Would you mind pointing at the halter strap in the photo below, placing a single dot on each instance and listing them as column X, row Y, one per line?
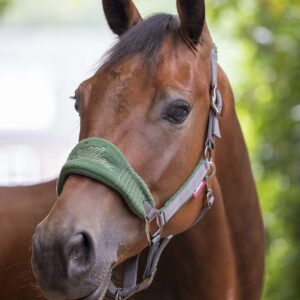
column 197, row 181
column 180, row 198
column 213, row 129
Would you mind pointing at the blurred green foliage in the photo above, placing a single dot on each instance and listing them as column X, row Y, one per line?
column 267, row 36
column 3, row 5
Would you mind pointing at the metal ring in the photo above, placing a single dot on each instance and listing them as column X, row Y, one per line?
column 211, row 169
column 208, row 153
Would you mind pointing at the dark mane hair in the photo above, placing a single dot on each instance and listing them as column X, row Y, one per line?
column 145, row 38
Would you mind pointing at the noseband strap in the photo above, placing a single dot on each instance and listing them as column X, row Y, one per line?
column 101, row 160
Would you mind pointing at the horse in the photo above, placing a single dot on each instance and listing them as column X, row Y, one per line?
column 155, row 103
column 21, row 209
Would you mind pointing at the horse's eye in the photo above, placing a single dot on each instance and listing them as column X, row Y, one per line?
column 177, row 112
column 76, row 105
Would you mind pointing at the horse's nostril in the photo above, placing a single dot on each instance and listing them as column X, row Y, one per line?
column 79, row 250
column 79, row 254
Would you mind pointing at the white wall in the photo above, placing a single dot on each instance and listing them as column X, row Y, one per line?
column 39, row 70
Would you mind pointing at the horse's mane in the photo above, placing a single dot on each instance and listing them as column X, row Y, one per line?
column 145, row 38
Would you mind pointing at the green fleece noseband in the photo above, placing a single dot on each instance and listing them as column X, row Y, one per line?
column 101, row 160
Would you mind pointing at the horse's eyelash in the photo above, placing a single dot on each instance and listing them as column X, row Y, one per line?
column 73, row 97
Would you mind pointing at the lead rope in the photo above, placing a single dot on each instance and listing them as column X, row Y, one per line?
column 206, row 171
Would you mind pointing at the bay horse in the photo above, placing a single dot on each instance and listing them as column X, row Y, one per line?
column 21, row 209
column 152, row 100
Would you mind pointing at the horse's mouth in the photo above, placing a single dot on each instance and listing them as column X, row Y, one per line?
column 97, row 294
column 100, row 292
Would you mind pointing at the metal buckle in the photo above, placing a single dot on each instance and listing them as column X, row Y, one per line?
column 156, row 216
column 214, row 100
column 210, row 199
column 118, row 296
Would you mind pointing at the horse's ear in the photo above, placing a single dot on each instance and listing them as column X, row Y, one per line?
column 192, row 17
column 121, row 15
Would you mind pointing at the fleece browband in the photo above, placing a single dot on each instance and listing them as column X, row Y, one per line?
column 101, row 160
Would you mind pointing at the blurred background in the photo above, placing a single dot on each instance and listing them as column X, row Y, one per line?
column 48, row 47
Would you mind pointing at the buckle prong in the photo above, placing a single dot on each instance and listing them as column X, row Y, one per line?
column 157, row 219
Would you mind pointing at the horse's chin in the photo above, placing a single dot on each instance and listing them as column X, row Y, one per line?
column 100, row 292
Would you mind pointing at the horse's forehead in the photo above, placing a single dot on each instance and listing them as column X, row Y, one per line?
column 117, row 79
column 169, row 70
column 174, row 66
column 128, row 68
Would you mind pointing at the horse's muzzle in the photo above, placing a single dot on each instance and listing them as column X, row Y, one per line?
column 64, row 264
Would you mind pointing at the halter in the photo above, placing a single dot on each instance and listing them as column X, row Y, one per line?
column 101, row 160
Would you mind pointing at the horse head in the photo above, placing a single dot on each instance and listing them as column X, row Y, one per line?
column 151, row 99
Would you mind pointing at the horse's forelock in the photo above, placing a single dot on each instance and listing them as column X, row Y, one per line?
column 146, row 39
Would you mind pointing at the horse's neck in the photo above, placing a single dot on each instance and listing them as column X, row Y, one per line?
column 240, row 200
column 221, row 257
